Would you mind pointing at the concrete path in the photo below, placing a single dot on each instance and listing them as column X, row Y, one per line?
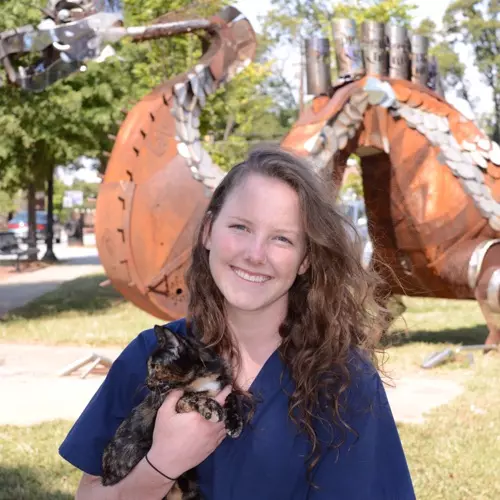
column 32, row 391
column 21, row 288
column 412, row 397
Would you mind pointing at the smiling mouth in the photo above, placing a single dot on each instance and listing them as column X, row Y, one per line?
column 253, row 278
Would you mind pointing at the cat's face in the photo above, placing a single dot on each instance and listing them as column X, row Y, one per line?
column 178, row 360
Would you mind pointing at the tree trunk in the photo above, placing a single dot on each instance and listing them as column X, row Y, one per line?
column 32, row 255
column 49, row 254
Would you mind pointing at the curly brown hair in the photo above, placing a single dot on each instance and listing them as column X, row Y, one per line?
column 332, row 307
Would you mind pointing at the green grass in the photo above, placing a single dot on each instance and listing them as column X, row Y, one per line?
column 455, row 455
column 30, row 467
column 79, row 312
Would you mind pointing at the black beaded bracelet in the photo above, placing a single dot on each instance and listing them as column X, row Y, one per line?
column 159, row 471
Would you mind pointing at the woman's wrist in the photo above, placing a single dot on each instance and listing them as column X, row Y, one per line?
column 158, row 470
column 164, row 465
column 145, row 483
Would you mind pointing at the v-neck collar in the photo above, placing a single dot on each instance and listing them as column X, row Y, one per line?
column 272, row 378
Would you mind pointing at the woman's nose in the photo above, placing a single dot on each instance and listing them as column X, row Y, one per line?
column 256, row 250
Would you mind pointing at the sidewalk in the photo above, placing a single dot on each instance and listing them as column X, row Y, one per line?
column 20, row 288
column 33, row 392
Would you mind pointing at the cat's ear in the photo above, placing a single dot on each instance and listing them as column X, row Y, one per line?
column 167, row 339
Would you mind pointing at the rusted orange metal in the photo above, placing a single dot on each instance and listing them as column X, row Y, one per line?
column 430, row 179
column 159, row 179
column 430, row 186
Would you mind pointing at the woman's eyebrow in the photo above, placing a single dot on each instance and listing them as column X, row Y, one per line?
column 283, row 230
column 241, row 219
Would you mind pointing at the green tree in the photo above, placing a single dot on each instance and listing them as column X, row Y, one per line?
column 70, row 119
column 76, row 116
column 240, row 115
column 475, row 25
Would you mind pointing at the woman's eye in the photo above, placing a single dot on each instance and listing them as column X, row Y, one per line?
column 238, row 227
column 283, row 239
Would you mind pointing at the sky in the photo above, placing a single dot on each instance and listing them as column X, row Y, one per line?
column 433, row 9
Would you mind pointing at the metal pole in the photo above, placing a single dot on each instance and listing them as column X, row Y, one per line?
column 347, row 49
column 399, row 52
column 49, row 238
column 419, row 61
column 375, row 51
column 317, row 54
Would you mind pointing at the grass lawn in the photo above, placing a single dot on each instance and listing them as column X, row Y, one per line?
column 30, row 468
column 455, row 455
column 79, row 312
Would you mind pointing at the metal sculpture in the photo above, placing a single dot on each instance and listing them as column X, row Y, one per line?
column 70, row 33
column 430, row 176
column 159, row 178
column 430, row 180
column 158, row 167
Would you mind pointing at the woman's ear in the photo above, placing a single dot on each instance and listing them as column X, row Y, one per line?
column 304, row 266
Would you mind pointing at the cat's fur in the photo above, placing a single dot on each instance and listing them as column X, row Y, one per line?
column 177, row 363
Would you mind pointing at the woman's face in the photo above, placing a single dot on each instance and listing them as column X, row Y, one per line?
column 257, row 244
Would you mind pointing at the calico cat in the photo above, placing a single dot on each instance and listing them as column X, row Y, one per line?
column 178, row 362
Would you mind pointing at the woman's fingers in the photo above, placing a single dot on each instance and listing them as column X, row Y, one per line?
column 221, row 397
column 170, row 402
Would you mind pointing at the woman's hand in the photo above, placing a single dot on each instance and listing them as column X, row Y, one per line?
column 181, row 441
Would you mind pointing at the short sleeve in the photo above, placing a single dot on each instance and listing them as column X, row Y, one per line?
column 122, row 390
column 372, row 464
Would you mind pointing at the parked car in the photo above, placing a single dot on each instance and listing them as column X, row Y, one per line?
column 19, row 226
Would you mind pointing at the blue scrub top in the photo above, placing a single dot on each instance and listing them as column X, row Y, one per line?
column 267, row 461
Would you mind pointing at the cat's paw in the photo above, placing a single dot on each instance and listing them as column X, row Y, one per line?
column 211, row 414
column 233, row 419
column 234, row 426
column 210, row 409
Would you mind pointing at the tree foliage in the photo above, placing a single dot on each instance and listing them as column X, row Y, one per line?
column 69, row 119
column 74, row 117
column 475, row 25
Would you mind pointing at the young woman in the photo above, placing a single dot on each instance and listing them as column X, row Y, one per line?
column 277, row 286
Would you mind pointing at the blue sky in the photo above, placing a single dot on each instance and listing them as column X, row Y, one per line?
column 434, row 9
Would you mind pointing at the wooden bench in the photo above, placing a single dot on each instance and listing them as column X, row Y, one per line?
column 10, row 246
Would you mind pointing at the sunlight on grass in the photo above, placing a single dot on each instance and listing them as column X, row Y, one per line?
column 455, row 455
column 431, row 325
column 80, row 312
column 30, row 467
